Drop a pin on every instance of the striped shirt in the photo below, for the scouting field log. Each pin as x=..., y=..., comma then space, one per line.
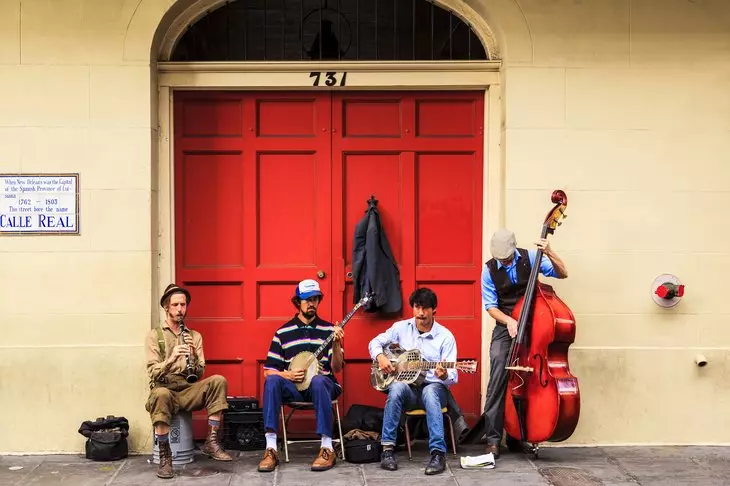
x=294, y=337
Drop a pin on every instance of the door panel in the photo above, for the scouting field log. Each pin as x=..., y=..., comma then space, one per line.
x=269, y=188
x=449, y=222
x=252, y=219
x=420, y=155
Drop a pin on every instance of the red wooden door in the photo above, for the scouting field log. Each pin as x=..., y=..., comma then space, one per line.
x=252, y=178
x=420, y=154
x=268, y=189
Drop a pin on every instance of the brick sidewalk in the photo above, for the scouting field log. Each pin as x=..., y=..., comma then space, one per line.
x=556, y=466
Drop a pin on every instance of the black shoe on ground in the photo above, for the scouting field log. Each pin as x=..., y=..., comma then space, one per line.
x=387, y=460
x=437, y=464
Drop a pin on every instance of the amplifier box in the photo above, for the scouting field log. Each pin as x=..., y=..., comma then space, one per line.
x=242, y=404
x=243, y=431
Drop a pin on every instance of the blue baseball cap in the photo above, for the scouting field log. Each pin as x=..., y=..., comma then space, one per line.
x=308, y=288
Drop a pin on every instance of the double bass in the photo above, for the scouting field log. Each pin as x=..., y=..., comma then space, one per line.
x=543, y=398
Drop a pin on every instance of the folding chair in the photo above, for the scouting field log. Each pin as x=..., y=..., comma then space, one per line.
x=294, y=406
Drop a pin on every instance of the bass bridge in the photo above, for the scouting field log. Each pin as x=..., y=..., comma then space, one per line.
x=526, y=369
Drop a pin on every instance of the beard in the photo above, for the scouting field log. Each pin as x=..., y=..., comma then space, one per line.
x=309, y=313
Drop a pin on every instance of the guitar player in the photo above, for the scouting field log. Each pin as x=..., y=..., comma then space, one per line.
x=306, y=331
x=436, y=343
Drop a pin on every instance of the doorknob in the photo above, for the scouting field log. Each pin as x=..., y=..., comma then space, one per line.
x=349, y=275
x=321, y=274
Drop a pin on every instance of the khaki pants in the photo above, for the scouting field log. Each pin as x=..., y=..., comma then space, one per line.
x=166, y=401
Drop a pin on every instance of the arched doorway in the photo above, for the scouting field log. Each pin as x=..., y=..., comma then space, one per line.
x=273, y=162
x=329, y=30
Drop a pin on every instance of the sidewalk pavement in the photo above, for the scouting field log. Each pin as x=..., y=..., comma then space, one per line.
x=558, y=466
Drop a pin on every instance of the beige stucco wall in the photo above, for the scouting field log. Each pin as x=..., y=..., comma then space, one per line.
x=622, y=104
x=625, y=106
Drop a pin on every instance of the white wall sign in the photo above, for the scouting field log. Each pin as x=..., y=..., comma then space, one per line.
x=39, y=204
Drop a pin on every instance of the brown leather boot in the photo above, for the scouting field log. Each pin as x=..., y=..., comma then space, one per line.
x=325, y=460
x=164, y=471
x=212, y=448
x=270, y=461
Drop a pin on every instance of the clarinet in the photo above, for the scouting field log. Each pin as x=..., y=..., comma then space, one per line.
x=190, y=375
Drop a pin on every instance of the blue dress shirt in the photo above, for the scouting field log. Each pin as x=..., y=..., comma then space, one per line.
x=489, y=292
x=438, y=344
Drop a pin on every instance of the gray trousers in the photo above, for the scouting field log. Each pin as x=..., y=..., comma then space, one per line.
x=494, y=405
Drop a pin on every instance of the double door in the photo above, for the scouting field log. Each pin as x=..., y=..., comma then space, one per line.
x=268, y=190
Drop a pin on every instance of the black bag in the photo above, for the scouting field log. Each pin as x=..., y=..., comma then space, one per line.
x=106, y=438
x=106, y=446
x=362, y=451
x=363, y=417
x=369, y=418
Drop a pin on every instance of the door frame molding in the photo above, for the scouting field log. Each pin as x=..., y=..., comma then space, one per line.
x=293, y=76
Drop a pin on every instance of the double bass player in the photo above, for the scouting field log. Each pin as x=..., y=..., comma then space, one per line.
x=504, y=281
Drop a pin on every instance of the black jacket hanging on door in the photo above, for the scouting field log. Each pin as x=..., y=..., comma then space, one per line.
x=373, y=266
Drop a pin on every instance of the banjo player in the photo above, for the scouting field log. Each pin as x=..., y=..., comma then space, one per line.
x=306, y=331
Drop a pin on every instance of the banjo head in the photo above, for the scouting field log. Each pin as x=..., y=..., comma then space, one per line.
x=311, y=366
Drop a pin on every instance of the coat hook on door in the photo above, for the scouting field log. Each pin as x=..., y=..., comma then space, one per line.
x=372, y=201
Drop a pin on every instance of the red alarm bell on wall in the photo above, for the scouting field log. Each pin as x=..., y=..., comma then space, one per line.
x=667, y=290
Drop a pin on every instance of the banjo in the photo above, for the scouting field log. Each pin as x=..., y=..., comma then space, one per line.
x=309, y=362
x=410, y=367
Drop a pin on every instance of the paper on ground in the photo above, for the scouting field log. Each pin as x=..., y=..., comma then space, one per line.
x=485, y=461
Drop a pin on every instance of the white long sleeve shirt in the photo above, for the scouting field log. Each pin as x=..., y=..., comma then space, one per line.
x=438, y=344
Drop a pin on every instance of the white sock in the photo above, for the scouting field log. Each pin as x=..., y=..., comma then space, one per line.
x=327, y=442
x=270, y=440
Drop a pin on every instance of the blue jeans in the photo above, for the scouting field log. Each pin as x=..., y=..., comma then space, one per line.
x=321, y=392
x=431, y=397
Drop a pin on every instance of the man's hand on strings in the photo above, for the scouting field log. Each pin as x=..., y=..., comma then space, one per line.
x=385, y=364
x=339, y=333
x=295, y=375
x=544, y=245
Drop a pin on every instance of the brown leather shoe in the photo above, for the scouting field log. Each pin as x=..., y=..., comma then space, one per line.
x=212, y=448
x=164, y=470
x=325, y=460
x=270, y=461
x=494, y=449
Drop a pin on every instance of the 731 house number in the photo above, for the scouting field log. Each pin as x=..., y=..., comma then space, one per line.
x=331, y=78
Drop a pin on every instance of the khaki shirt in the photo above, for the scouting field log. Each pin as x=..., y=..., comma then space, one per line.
x=159, y=370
